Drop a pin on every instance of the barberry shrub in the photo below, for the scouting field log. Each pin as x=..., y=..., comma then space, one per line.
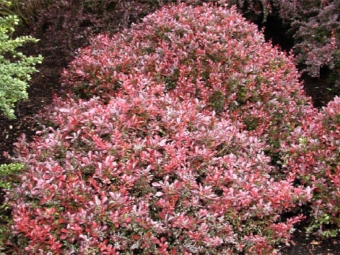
x=313, y=154
x=149, y=174
x=223, y=61
x=164, y=145
x=228, y=68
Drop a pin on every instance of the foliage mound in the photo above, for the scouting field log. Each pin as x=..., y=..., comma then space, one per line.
x=178, y=137
x=223, y=61
x=149, y=174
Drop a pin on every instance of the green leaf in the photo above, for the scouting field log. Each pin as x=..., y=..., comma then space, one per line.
x=15, y=67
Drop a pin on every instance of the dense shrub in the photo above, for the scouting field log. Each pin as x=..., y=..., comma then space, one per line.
x=165, y=145
x=223, y=61
x=149, y=174
x=235, y=73
x=313, y=153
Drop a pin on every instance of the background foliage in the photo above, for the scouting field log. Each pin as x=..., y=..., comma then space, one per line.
x=313, y=25
x=15, y=67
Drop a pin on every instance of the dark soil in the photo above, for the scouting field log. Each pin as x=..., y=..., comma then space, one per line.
x=43, y=85
x=300, y=245
x=46, y=83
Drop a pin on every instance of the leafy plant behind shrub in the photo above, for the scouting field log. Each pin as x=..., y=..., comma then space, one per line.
x=164, y=147
x=15, y=67
x=315, y=26
x=5, y=171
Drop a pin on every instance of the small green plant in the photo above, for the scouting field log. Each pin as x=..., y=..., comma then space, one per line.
x=15, y=67
x=4, y=223
x=6, y=172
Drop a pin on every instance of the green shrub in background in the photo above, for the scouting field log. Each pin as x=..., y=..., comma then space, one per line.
x=15, y=67
x=25, y=10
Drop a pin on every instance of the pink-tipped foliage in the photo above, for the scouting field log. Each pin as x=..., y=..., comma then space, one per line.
x=313, y=153
x=211, y=54
x=182, y=136
x=149, y=174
